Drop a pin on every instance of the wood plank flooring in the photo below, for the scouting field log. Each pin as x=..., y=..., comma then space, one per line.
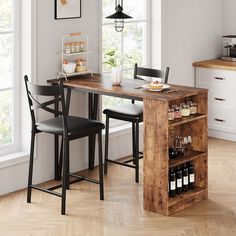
x=122, y=213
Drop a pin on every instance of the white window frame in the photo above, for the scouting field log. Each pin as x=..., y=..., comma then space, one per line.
x=16, y=87
x=147, y=43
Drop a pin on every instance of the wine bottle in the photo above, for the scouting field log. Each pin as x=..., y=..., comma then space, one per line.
x=178, y=181
x=172, y=183
x=185, y=178
x=191, y=173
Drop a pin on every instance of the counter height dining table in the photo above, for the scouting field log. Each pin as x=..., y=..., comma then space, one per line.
x=156, y=138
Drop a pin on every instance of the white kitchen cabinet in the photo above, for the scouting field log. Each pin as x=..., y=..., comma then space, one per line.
x=219, y=77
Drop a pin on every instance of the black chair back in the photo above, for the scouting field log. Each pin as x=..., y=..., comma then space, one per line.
x=141, y=71
x=55, y=105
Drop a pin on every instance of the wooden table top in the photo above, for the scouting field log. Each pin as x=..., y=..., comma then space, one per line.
x=216, y=64
x=100, y=84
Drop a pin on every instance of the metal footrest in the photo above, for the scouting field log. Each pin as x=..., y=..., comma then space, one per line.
x=122, y=163
x=50, y=190
x=131, y=160
x=46, y=190
x=80, y=178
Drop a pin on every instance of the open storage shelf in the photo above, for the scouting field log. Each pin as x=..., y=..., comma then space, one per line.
x=185, y=196
x=77, y=53
x=184, y=159
x=185, y=120
x=196, y=126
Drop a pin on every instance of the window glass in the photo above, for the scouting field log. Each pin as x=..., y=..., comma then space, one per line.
x=6, y=15
x=6, y=118
x=133, y=41
x=6, y=59
x=129, y=45
x=9, y=93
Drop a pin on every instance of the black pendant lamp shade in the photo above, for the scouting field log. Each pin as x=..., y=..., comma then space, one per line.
x=119, y=16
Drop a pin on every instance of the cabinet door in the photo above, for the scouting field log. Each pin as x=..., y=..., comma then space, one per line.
x=220, y=118
x=221, y=97
x=216, y=77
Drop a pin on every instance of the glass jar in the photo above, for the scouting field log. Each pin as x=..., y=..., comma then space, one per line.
x=171, y=114
x=193, y=108
x=179, y=145
x=172, y=151
x=72, y=47
x=178, y=114
x=77, y=47
x=181, y=105
x=80, y=65
x=82, y=46
x=185, y=111
x=189, y=103
x=67, y=48
x=190, y=147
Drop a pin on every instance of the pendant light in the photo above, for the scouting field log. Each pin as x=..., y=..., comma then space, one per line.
x=119, y=16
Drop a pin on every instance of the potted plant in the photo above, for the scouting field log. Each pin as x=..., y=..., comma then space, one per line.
x=114, y=60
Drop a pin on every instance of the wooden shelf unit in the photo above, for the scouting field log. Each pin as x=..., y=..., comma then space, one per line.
x=196, y=126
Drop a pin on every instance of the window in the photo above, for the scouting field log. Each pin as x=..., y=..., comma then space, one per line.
x=9, y=76
x=132, y=44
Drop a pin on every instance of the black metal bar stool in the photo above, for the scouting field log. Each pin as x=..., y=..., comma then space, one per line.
x=132, y=113
x=68, y=127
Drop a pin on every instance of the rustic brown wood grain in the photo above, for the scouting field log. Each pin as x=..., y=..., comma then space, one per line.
x=100, y=84
x=216, y=64
x=155, y=161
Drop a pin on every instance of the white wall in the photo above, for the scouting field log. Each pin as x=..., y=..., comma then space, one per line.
x=156, y=32
x=49, y=33
x=192, y=31
x=229, y=17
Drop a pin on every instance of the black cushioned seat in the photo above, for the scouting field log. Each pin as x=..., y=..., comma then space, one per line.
x=127, y=112
x=76, y=126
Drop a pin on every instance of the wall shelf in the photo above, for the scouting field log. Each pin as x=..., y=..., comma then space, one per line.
x=83, y=54
x=77, y=53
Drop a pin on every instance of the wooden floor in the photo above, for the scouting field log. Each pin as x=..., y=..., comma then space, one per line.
x=121, y=213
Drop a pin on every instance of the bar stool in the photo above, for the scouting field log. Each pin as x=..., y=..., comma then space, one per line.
x=68, y=127
x=132, y=113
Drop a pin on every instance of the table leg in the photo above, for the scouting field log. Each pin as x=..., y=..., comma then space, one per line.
x=155, y=161
x=93, y=114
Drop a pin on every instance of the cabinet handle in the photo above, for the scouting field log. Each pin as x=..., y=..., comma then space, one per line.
x=219, y=120
x=220, y=99
x=219, y=78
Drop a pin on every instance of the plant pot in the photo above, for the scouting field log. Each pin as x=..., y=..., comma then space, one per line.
x=116, y=75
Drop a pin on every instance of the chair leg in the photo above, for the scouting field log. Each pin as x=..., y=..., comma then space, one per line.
x=60, y=160
x=64, y=177
x=106, y=145
x=101, y=185
x=31, y=164
x=133, y=141
x=68, y=167
x=137, y=153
